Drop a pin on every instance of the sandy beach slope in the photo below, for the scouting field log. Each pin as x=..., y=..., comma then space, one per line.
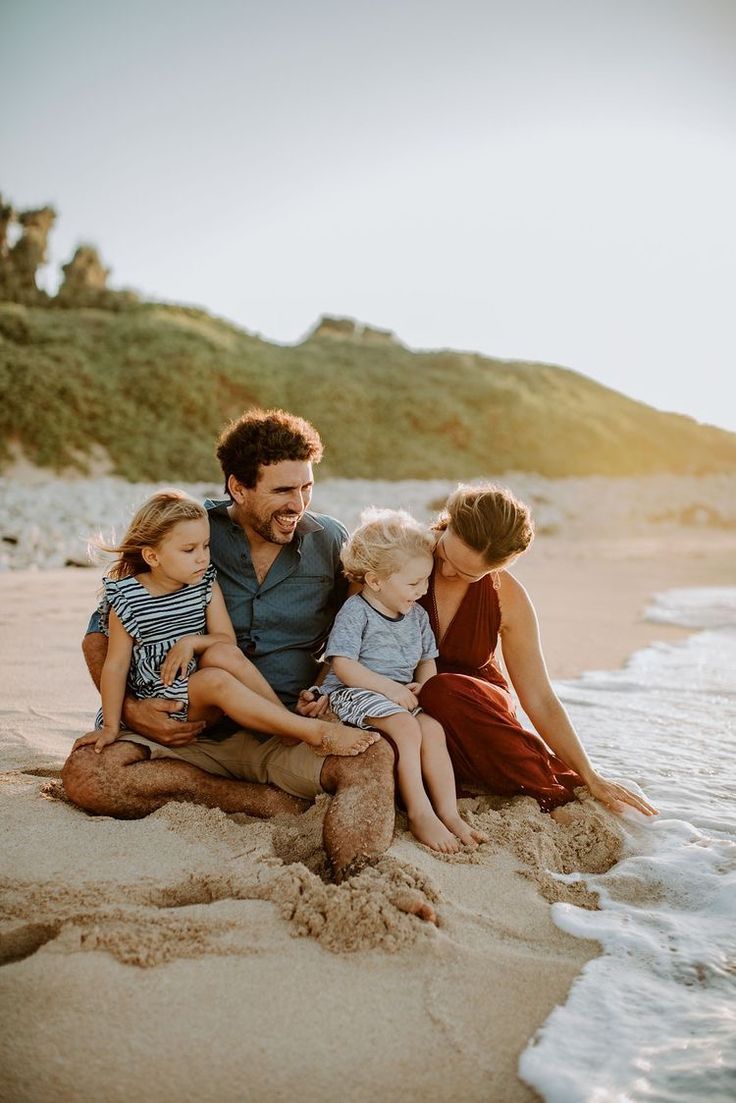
x=193, y=956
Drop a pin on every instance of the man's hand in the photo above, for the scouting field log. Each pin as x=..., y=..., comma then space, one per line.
x=152, y=718
x=178, y=659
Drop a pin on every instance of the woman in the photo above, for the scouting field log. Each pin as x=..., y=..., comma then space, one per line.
x=474, y=604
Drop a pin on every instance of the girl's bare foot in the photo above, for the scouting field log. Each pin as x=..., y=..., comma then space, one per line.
x=342, y=740
x=468, y=836
x=426, y=827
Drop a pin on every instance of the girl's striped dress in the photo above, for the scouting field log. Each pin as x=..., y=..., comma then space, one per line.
x=155, y=625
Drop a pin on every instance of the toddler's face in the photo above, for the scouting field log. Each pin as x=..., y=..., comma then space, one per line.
x=400, y=590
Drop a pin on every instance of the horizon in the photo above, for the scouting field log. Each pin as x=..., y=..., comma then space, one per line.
x=546, y=184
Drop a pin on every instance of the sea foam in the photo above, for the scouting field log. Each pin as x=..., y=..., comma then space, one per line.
x=654, y=1017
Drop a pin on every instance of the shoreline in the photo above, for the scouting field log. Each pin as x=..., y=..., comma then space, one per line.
x=591, y=593
x=424, y=1018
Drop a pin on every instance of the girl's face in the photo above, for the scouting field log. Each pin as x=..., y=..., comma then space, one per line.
x=183, y=555
x=398, y=592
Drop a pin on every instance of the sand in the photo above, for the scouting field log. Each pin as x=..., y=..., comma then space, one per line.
x=198, y=956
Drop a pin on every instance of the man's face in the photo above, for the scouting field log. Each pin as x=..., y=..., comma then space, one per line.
x=275, y=505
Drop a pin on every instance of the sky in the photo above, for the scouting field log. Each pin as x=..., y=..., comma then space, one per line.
x=534, y=180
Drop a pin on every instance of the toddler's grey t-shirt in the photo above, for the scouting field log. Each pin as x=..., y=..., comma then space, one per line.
x=386, y=646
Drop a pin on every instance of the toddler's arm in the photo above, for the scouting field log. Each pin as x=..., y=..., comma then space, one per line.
x=353, y=673
x=112, y=686
x=426, y=669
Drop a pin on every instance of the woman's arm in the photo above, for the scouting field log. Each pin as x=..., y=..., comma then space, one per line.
x=522, y=652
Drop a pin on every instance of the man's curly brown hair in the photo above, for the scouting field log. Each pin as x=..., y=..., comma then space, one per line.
x=262, y=437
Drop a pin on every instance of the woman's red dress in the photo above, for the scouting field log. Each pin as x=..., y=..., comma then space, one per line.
x=471, y=700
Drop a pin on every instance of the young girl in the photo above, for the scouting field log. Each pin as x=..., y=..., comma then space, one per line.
x=382, y=651
x=170, y=636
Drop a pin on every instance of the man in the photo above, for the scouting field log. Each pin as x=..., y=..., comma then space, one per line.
x=279, y=569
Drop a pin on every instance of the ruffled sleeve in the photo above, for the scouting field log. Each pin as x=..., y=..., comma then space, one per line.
x=115, y=596
x=208, y=580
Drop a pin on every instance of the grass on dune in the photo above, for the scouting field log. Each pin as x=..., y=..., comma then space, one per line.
x=155, y=384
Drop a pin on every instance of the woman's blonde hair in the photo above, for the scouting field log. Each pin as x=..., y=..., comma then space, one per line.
x=383, y=542
x=489, y=519
x=151, y=523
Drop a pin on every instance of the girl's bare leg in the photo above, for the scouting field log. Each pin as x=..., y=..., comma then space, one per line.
x=424, y=824
x=440, y=780
x=228, y=656
x=213, y=687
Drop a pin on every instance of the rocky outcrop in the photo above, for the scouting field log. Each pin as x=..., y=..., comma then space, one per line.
x=348, y=329
x=20, y=262
x=84, y=272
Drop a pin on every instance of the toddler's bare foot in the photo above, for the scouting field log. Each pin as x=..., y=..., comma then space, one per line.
x=432, y=832
x=413, y=903
x=341, y=740
x=468, y=836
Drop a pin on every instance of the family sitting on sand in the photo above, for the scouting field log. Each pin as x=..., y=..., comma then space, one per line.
x=413, y=685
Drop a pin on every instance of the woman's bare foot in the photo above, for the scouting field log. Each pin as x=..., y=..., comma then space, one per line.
x=564, y=814
x=341, y=740
x=468, y=836
x=431, y=831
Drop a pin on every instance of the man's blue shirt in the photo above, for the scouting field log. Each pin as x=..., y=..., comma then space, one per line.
x=283, y=623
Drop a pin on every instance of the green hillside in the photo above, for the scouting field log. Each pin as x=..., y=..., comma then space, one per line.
x=154, y=385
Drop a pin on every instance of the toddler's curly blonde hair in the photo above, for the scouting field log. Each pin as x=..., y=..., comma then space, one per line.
x=384, y=540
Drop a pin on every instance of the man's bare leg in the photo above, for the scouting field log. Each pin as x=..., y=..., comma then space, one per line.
x=124, y=781
x=359, y=823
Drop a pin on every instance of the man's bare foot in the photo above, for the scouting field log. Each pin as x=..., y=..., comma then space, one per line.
x=468, y=836
x=341, y=740
x=431, y=831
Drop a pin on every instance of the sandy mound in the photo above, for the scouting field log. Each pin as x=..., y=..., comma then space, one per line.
x=235, y=860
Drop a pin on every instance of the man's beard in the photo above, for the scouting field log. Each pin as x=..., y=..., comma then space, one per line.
x=268, y=530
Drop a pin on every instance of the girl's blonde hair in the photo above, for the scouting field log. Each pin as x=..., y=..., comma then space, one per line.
x=383, y=542
x=151, y=523
x=489, y=519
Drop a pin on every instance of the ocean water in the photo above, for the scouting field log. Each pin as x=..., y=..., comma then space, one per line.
x=654, y=1018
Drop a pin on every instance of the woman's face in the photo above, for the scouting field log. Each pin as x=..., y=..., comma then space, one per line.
x=458, y=561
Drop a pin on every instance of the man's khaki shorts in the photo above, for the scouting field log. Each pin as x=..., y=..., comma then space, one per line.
x=295, y=768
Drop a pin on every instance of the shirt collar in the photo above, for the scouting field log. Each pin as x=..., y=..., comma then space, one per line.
x=308, y=524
